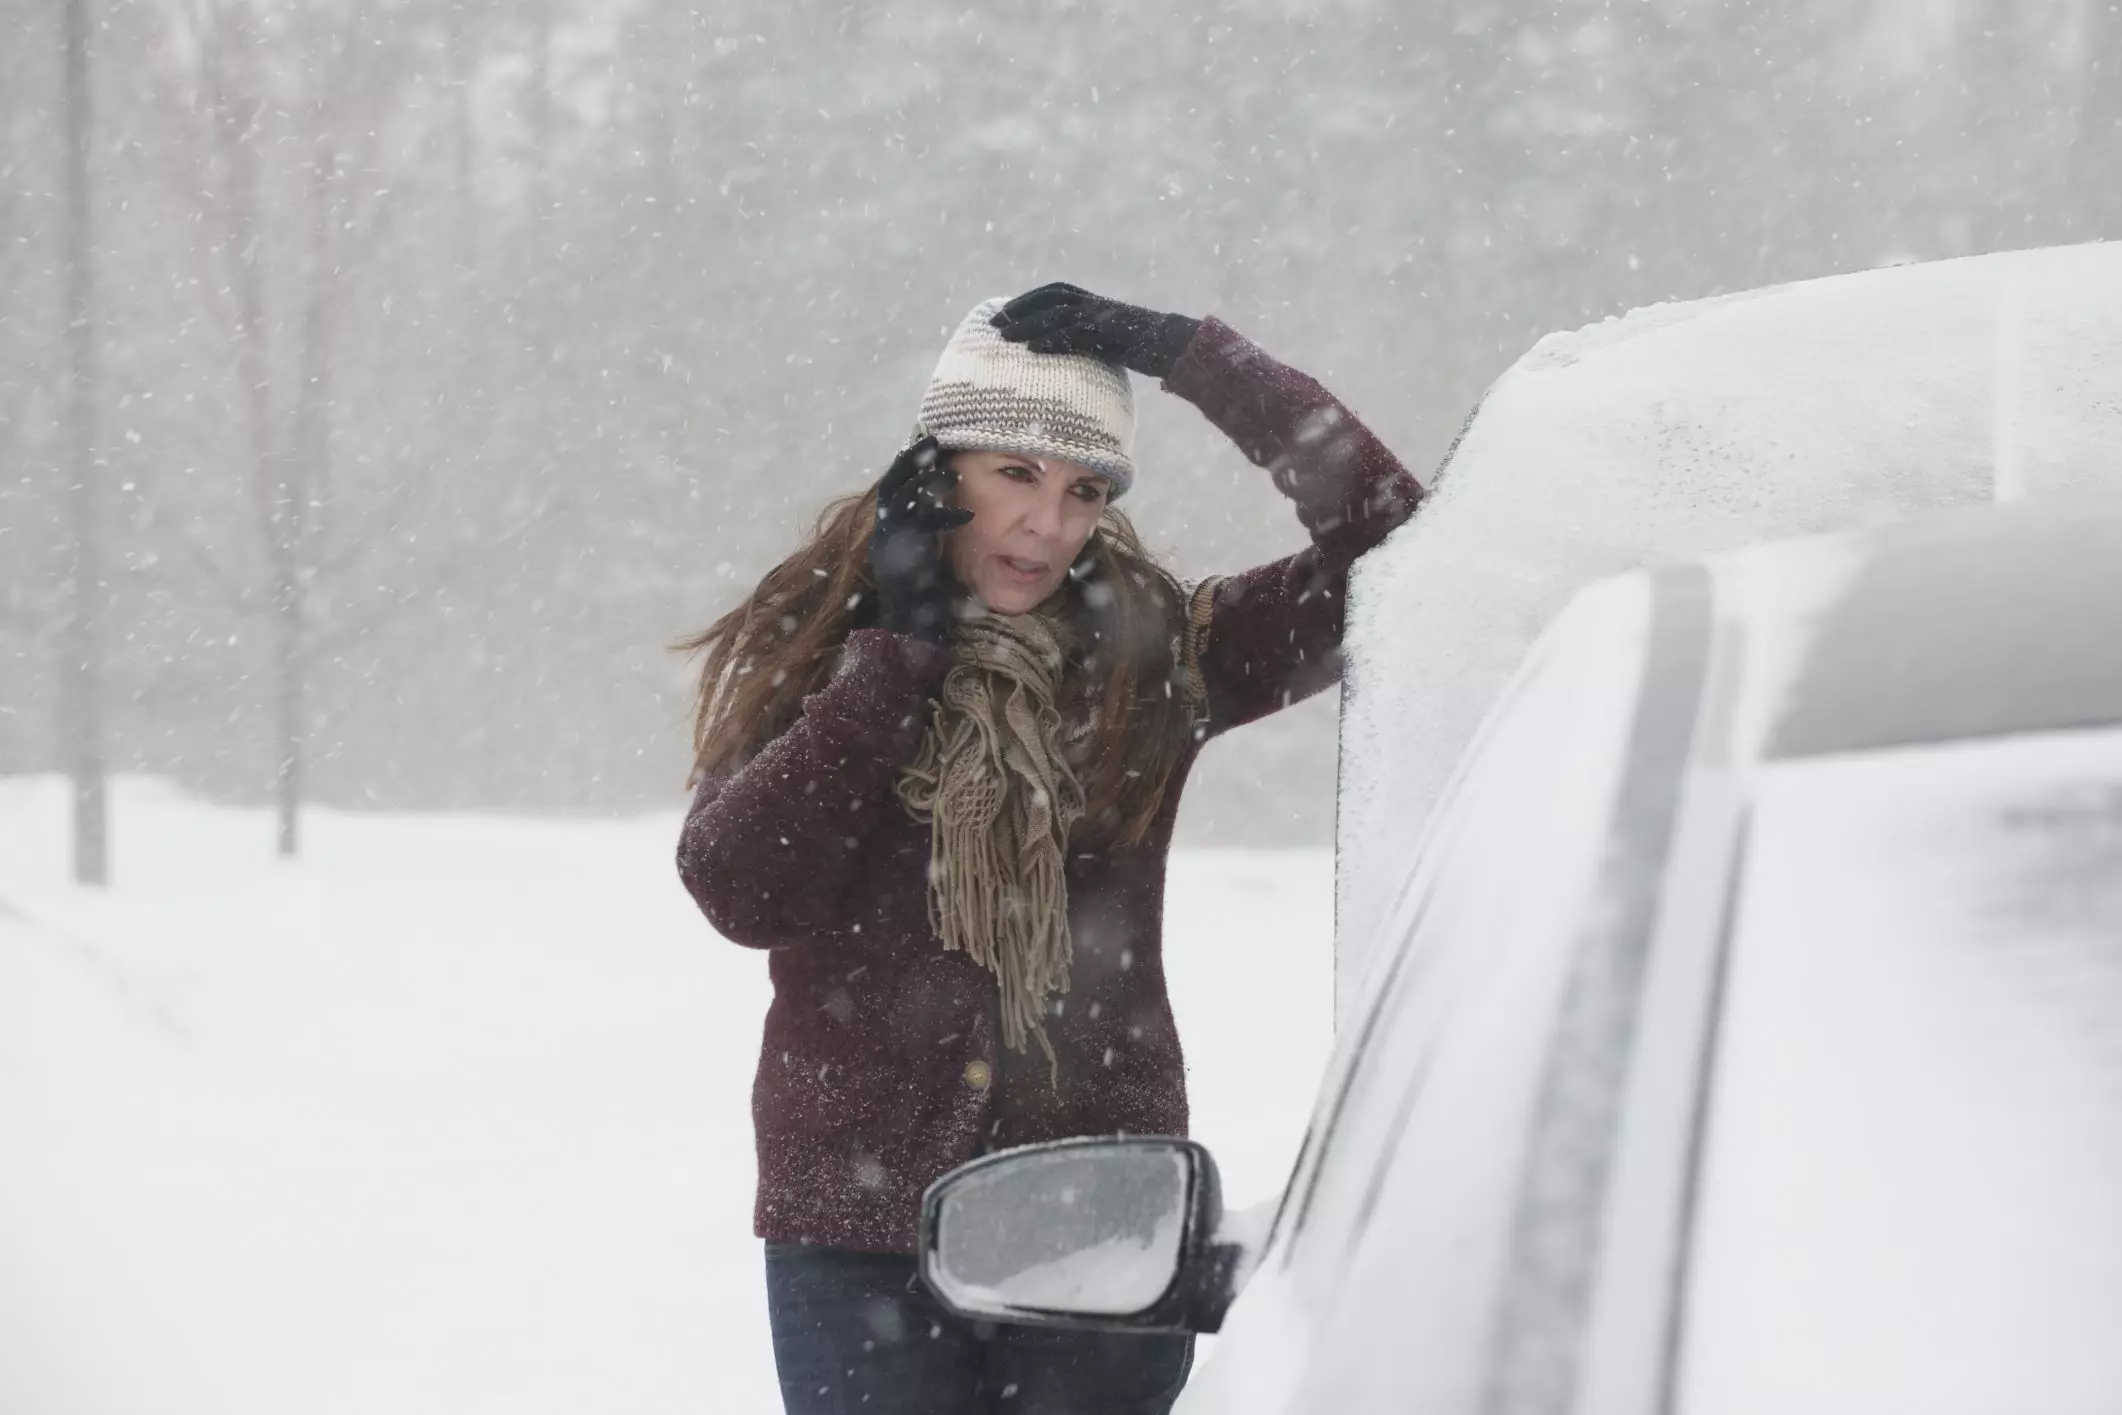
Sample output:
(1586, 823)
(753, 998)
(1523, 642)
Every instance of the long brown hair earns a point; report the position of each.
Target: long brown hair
(1122, 693)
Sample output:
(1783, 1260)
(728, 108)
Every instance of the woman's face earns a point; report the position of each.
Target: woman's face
(1031, 518)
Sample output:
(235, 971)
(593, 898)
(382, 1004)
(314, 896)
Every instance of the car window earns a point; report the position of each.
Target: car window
(1447, 1062)
(1909, 1195)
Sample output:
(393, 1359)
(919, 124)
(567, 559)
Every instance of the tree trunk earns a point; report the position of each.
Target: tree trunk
(304, 479)
(2000, 65)
(81, 699)
(2096, 148)
(463, 51)
(288, 723)
(228, 66)
(541, 108)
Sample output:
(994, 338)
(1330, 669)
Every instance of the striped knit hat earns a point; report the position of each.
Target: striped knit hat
(989, 395)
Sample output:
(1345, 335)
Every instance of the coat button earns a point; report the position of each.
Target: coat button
(978, 1075)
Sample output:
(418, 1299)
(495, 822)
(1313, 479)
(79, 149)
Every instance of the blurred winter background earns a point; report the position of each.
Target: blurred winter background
(445, 358)
(383, 384)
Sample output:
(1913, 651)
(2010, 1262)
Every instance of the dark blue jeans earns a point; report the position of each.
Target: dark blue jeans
(857, 1332)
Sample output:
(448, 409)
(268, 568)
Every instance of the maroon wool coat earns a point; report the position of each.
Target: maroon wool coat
(882, 1067)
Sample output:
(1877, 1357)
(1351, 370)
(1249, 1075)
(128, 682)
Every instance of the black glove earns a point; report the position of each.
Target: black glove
(1062, 319)
(914, 586)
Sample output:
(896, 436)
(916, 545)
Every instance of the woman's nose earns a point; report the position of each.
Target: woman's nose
(1045, 517)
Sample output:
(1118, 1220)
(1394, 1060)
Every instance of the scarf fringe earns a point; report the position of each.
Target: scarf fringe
(994, 785)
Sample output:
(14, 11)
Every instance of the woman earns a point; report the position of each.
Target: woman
(939, 755)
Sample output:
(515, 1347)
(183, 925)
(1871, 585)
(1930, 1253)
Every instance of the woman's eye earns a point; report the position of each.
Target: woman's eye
(1089, 491)
(1018, 473)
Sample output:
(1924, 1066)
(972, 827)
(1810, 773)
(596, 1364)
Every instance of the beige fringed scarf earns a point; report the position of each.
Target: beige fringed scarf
(992, 781)
(994, 785)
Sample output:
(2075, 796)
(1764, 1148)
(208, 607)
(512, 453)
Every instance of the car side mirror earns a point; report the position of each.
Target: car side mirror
(1114, 1234)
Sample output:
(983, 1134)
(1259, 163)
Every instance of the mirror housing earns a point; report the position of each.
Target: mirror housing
(1104, 1234)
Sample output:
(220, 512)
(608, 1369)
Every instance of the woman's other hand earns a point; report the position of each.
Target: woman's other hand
(1065, 319)
(914, 586)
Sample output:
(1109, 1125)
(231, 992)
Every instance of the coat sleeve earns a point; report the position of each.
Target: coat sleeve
(768, 852)
(1274, 632)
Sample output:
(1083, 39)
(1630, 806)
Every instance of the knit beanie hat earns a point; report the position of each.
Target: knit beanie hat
(989, 395)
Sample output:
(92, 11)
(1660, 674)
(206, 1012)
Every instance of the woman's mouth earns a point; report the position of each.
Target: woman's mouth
(1024, 572)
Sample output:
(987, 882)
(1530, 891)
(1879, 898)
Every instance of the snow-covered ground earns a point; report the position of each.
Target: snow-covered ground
(452, 1115)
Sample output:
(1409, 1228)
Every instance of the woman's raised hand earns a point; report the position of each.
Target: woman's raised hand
(1066, 319)
(914, 586)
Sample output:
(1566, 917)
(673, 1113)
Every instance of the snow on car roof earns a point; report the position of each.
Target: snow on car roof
(1690, 429)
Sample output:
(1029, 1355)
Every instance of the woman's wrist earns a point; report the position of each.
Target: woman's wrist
(1164, 347)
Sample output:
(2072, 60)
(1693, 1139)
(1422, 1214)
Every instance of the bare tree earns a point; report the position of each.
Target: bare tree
(287, 395)
(20, 331)
(2096, 146)
(27, 327)
(460, 43)
(81, 674)
(2011, 87)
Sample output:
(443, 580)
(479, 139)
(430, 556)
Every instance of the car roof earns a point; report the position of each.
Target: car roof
(1694, 430)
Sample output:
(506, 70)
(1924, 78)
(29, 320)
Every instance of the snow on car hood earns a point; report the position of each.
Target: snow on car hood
(1688, 429)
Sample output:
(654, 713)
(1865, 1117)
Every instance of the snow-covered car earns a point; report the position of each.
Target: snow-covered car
(1692, 429)
(1742, 1035)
